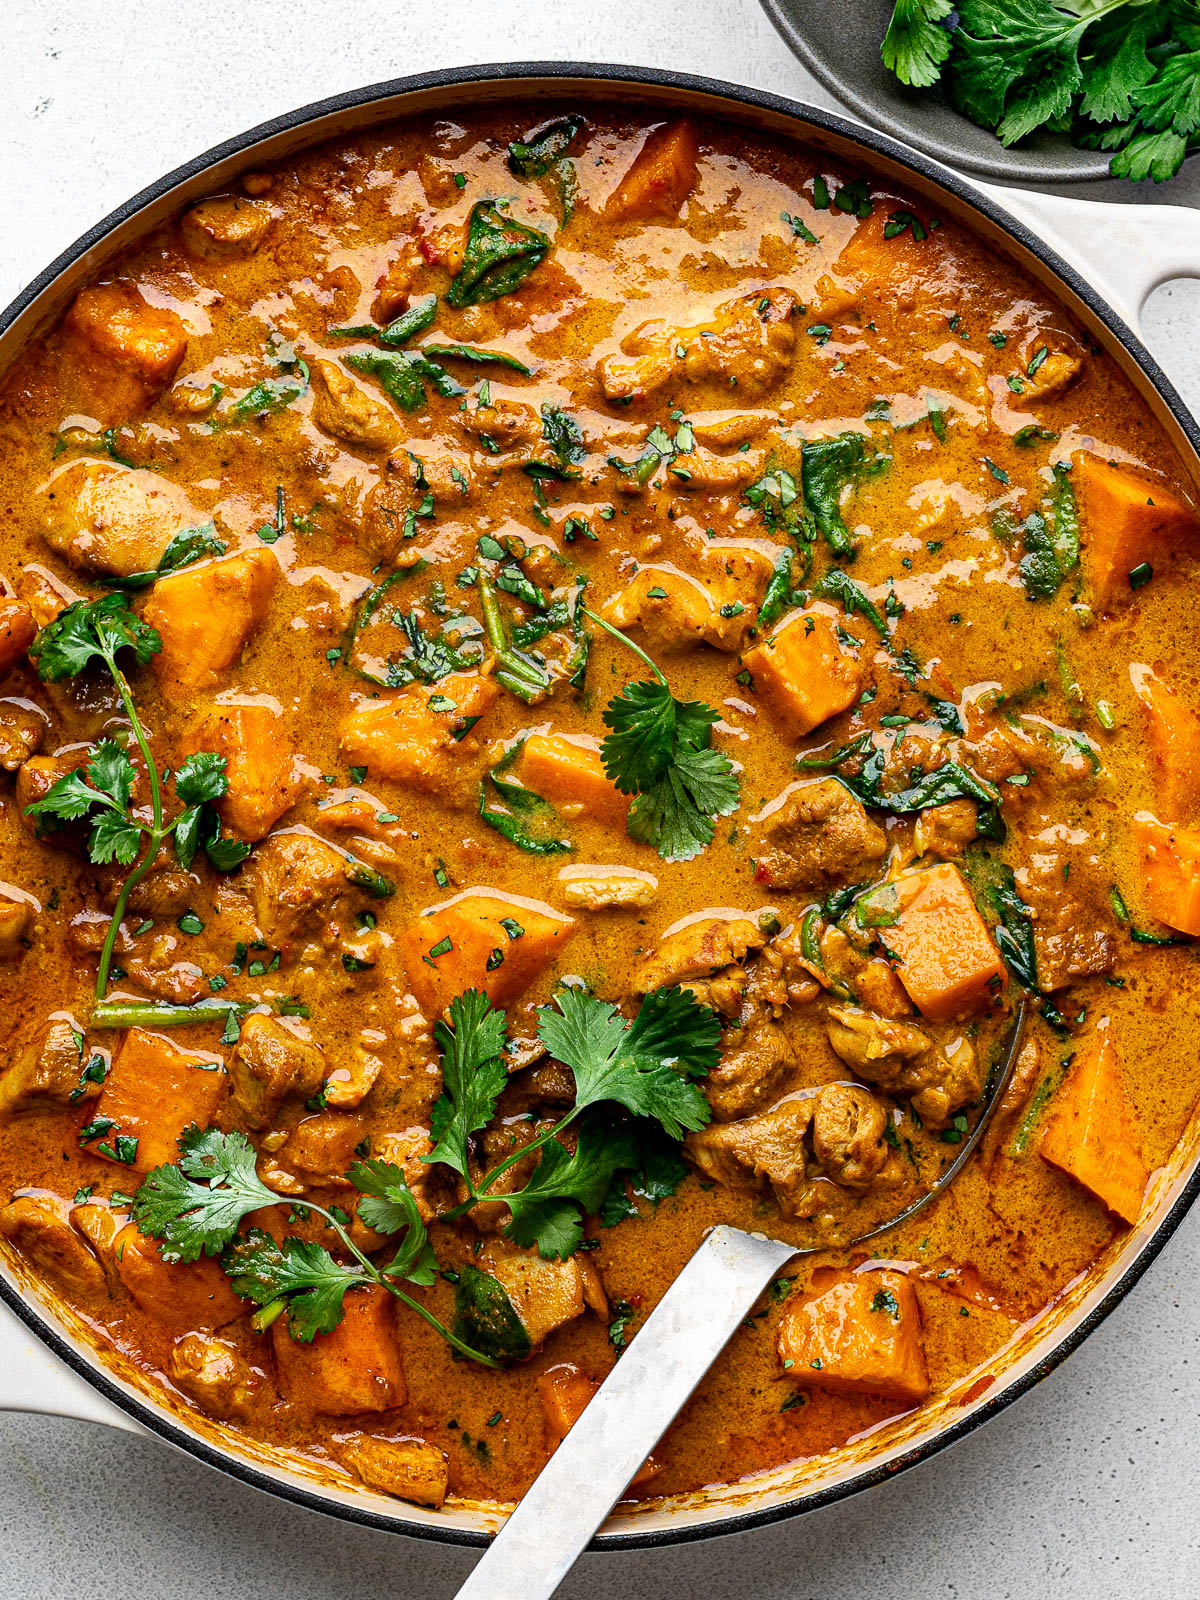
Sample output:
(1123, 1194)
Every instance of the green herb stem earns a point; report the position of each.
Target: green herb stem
(624, 639)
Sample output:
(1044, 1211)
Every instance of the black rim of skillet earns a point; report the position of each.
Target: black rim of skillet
(597, 76)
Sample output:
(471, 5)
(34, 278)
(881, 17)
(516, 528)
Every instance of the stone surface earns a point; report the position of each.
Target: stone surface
(1086, 1489)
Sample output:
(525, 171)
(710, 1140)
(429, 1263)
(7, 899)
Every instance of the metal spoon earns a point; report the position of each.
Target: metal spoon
(635, 1405)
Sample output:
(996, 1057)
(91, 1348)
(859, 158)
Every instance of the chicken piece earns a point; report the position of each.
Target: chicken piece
(565, 1392)
(46, 1072)
(450, 480)
(607, 888)
(411, 1469)
(205, 616)
(749, 341)
(760, 1151)
(351, 1371)
(18, 630)
(226, 228)
(420, 735)
(120, 351)
(100, 1223)
(21, 735)
(756, 1060)
(902, 1059)
(815, 835)
(105, 517)
(261, 761)
(701, 947)
(269, 1062)
(715, 602)
(546, 1295)
(715, 474)
(1072, 938)
(946, 830)
(323, 1146)
(394, 284)
(502, 1139)
(38, 1227)
(16, 922)
(153, 1091)
(860, 1335)
(877, 988)
(1052, 378)
(848, 1135)
(349, 1083)
(183, 1296)
(297, 884)
(214, 1374)
(433, 1186)
(660, 177)
(346, 411)
(510, 424)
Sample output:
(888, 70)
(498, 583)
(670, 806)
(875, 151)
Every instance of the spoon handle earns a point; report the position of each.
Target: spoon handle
(577, 1488)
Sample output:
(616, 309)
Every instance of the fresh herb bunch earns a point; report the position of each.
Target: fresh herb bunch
(102, 793)
(1117, 75)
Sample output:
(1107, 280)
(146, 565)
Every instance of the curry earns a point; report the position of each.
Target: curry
(558, 685)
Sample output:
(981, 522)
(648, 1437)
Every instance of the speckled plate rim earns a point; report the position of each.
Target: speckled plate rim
(301, 129)
(1010, 165)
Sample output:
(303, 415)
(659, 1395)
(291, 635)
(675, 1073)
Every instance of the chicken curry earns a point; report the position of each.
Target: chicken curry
(558, 685)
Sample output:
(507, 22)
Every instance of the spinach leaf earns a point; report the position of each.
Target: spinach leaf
(271, 394)
(190, 544)
(838, 585)
(994, 885)
(419, 316)
(561, 433)
(486, 1318)
(778, 589)
(1051, 541)
(399, 374)
(826, 467)
(537, 153)
(499, 256)
(949, 782)
(523, 818)
(470, 352)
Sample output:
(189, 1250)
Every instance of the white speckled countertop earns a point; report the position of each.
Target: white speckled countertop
(1085, 1489)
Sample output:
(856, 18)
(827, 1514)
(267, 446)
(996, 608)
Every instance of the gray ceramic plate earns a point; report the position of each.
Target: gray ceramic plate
(838, 41)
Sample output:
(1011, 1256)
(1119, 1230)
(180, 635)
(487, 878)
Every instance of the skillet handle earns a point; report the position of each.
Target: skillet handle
(1124, 251)
(33, 1379)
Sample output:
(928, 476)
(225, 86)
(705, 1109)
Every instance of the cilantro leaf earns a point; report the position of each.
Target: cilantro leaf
(915, 44)
(473, 1076)
(1116, 64)
(499, 255)
(389, 1206)
(114, 838)
(644, 1066)
(195, 1206)
(659, 749)
(91, 630)
(315, 1285)
(546, 1211)
(201, 777)
(656, 1172)
(105, 795)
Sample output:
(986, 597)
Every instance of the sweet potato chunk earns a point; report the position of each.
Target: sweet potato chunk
(108, 518)
(122, 351)
(803, 669)
(567, 771)
(260, 761)
(480, 941)
(1170, 862)
(661, 176)
(1125, 520)
(415, 736)
(1090, 1134)
(182, 1295)
(154, 1090)
(39, 1230)
(861, 1335)
(1174, 732)
(411, 1469)
(205, 616)
(564, 1392)
(17, 632)
(354, 1369)
(946, 959)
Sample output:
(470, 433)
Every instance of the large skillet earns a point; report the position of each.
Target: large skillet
(1101, 261)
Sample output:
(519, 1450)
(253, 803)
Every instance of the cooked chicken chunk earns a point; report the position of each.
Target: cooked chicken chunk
(410, 1469)
(902, 1059)
(546, 1295)
(346, 411)
(123, 351)
(297, 883)
(108, 518)
(697, 950)
(847, 1135)
(815, 835)
(946, 830)
(45, 1073)
(16, 921)
(756, 1061)
(749, 341)
(213, 1372)
(270, 1061)
(607, 888)
(17, 632)
(225, 228)
(21, 734)
(38, 1228)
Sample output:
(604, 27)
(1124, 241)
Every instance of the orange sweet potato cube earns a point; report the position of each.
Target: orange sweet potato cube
(354, 1369)
(123, 350)
(567, 771)
(480, 941)
(947, 961)
(805, 671)
(154, 1090)
(564, 1392)
(1174, 733)
(205, 614)
(660, 177)
(1170, 862)
(260, 761)
(861, 1335)
(1124, 520)
(414, 736)
(182, 1295)
(1089, 1133)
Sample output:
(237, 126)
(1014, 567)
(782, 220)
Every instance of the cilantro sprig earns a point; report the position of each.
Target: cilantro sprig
(196, 1207)
(94, 631)
(659, 749)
